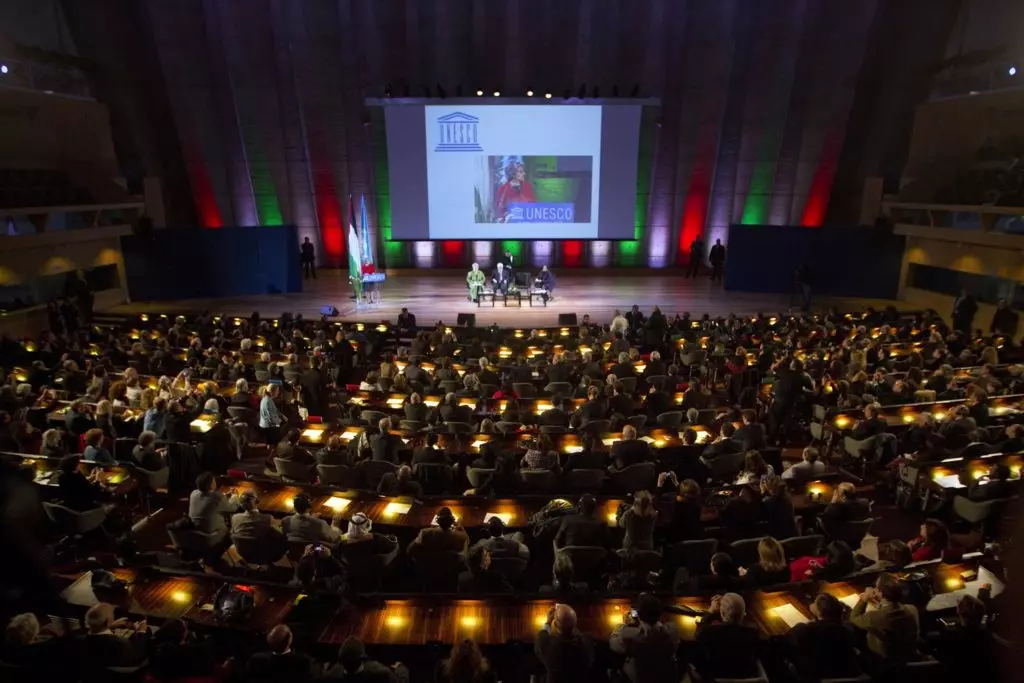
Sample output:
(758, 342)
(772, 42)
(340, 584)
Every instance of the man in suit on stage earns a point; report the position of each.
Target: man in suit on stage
(546, 279)
(717, 258)
(501, 277)
(509, 260)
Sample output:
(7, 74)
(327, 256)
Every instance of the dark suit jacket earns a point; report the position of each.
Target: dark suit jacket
(719, 448)
(626, 453)
(657, 403)
(581, 530)
(102, 651)
(566, 659)
(990, 490)
(623, 370)
(75, 492)
(824, 650)
(416, 412)
(729, 650)
(437, 539)
(593, 410)
(559, 373)
(751, 436)
(385, 447)
(267, 667)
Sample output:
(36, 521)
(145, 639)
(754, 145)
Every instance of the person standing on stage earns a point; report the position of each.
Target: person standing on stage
(308, 259)
(696, 256)
(717, 258)
(547, 282)
(475, 278)
(501, 277)
(803, 286)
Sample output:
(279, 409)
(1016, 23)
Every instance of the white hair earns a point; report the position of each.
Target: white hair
(655, 355)
(245, 344)
(732, 608)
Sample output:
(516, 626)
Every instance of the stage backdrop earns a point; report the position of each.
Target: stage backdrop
(856, 261)
(193, 263)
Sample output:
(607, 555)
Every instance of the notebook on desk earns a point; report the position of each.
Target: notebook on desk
(948, 600)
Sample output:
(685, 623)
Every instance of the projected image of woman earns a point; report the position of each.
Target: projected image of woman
(515, 189)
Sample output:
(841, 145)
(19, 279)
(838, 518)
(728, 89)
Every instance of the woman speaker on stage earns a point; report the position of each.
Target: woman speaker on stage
(475, 278)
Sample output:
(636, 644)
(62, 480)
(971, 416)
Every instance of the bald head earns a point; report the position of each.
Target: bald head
(564, 619)
(628, 433)
(279, 639)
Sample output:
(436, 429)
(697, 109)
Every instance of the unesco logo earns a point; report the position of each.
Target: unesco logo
(458, 133)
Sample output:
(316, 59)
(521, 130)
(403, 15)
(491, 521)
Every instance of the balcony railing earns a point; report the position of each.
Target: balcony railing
(45, 219)
(989, 219)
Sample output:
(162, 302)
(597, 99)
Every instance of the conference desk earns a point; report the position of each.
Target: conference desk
(329, 502)
(492, 620)
(114, 478)
(948, 476)
(1000, 408)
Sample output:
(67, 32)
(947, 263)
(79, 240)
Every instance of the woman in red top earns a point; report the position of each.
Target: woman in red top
(515, 189)
(932, 542)
(506, 391)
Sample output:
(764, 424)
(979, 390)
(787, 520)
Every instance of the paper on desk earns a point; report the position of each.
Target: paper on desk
(850, 600)
(572, 449)
(647, 439)
(789, 614)
(949, 481)
(945, 601)
(478, 443)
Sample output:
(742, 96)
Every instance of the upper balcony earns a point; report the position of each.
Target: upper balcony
(985, 225)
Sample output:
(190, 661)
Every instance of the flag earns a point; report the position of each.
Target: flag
(355, 272)
(367, 251)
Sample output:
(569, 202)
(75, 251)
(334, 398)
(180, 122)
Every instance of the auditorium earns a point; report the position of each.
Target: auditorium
(536, 341)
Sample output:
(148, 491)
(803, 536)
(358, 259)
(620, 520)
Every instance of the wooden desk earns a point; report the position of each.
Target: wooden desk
(114, 478)
(1000, 407)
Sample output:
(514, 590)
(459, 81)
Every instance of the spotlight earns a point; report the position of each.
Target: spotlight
(582, 92)
(547, 96)
(3, 69)
(479, 93)
(1012, 71)
(529, 93)
(497, 93)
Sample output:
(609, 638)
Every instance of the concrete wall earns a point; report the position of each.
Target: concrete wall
(57, 132)
(29, 256)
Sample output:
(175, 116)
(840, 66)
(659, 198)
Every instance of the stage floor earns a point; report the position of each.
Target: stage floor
(433, 296)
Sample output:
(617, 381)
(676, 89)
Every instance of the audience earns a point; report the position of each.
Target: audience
(566, 654)
(648, 644)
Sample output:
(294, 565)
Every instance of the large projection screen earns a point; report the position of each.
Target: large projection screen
(512, 171)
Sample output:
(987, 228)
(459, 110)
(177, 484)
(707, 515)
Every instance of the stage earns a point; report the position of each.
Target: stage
(441, 295)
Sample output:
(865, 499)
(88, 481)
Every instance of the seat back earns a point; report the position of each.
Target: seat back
(553, 429)
(559, 389)
(638, 477)
(477, 475)
(458, 427)
(338, 475)
(538, 481)
(436, 478)
(524, 389)
(411, 425)
(508, 427)
(859, 448)
(671, 419)
(587, 560)
(744, 552)
(628, 384)
(657, 381)
(694, 555)
(372, 416)
(511, 567)
(694, 357)
(802, 546)
(372, 471)
(73, 522)
(852, 533)
(976, 512)
(597, 427)
(152, 480)
(585, 480)
(638, 421)
(192, 540)
(726, 467)
(261, 551)
(293, 471)
(640, 560)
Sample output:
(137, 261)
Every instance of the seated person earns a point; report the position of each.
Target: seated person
(481, 576)
(447, 535)
(250, 522)
(629, 450)
(751, 435)
(334, 453)
(146, 456)
(993, 486)
(207, 505)
(77, 491)
(385, 445)
(728, 648)
(400, 483)
(771, 567)
(318, 570)
(177, 655)
(583, 528)
(94, 450)
(844, 507)
(724, 577)
(501, 279)
(501, 544)
(30, 645)
(546, 281)
(892, 627)
(475, 279)
(648, 644)
(825, 647)
(290, 450)
(810, 467)
(932, 541)
(304, 527)
(102, 648)
(966, 647)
